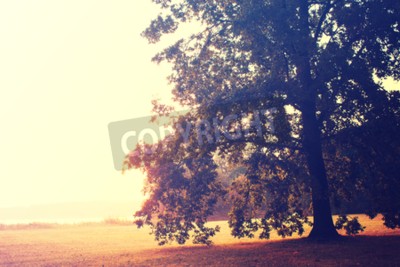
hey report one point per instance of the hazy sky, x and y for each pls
(67, 69)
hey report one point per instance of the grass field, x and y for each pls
(113, 244)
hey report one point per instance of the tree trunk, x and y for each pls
(323, 228)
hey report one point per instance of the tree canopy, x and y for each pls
(290, 91)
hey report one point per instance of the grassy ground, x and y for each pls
(124, 245)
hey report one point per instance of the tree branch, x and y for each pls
(322, 19)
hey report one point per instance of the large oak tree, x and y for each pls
(316, 64)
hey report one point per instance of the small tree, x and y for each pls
(315, 64)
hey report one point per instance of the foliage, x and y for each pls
(315, 64)
(351, 226)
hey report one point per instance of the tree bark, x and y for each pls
(323, 228)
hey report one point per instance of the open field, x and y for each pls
(125, 245)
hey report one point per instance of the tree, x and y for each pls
(314, 68)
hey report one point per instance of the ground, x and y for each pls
(113, 244)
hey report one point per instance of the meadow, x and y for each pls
(115, 243)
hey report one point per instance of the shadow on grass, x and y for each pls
(348, 251)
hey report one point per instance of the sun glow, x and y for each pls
(68, 69)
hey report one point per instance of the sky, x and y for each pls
(68, 69)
